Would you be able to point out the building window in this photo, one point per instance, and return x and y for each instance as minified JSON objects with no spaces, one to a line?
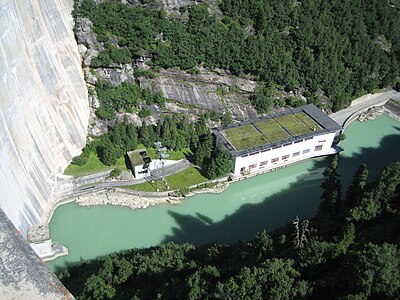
{"x":318,"y":148}
{"x":299,"y":141}
{"x":245,"y":155}
{"x":265,"y":150}
{"x":288,"y":144}
{"x":285,"y":157}
{"x":323,"y":141}
{"x":306,"y":151}
{"x":254,"y":153}
{"x":277,"y":147}
{"x":309,"y":138}
{"x":274,"y":160}
{"x":296,"y":154}
{"x":263,"y":163}
{"x":253,"y":166}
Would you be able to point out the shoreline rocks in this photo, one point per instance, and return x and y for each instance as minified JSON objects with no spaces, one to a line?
{"x":371,"y":114}
{"x":137,"y":199}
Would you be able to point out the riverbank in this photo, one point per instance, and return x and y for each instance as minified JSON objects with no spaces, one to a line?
{"x":138,"y":200}
{"x":266,"y":201}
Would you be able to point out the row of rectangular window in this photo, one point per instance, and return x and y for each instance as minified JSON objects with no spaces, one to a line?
{"x":274,"y":160}
{"x":277,"y":147}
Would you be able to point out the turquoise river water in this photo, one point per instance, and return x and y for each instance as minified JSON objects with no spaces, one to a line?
{"x":265,"y":201}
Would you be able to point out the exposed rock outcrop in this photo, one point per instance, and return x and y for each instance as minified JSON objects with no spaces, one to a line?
{"x":219,"y":92}
{"x":208,"y":90}
{"x":173,"y":7}
{"x":43,"y":104}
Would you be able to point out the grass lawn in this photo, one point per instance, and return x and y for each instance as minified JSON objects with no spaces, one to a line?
{"x":95,"y":165}
{"x":92,"y":166}
{"x":272,"y":130}
{"x":147,"y":187}
{"x":173,"y":155}
{"x":306,"y":119}
{"x":186,"y":178}
{"x":245,"y":137}
{"x":294,"y":124}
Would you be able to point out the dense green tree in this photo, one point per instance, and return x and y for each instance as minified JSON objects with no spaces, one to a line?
{"x":131,"y":137}
{"x":262,"y":245}
{"x":388,"y":185}
{"x":81,"y":159}
{"x":355,"y":261}
{"x":331,"y":189}
{"x":223,"y":162}
{"x":211,"y":170}
{"x":108,"y":152}
{"x":316,"y":253}
{"x":340,"y":48}
{"x":262,"y":100}
{"x":378,"y":271}
{"x":358,"y":184}
{"x":97,"y":288}
{"x":367,"y":208}
{"x":226,"y":118}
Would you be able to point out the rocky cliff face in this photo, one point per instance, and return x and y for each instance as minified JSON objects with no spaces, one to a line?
{"x":211,"y":90}
{"x":43,"y":104}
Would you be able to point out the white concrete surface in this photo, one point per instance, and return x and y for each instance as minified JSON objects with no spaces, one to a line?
{"x":43,"y":104}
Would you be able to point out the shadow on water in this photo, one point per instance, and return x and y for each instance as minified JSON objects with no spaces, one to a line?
{"x":301,"y":198}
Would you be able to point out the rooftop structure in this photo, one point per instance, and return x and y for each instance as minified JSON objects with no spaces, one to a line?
{"x":141,"y":164}
{"x":279,"y":139}
{"x":138,"y":157}
{"x":275,"y":130}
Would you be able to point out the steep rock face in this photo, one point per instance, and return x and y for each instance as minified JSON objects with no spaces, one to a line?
{"x":43,"y":104}
{"x":218,"y":92}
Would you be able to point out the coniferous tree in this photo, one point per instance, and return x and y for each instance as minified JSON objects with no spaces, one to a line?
{"x":329,"y":214}
{"x":144,"y":135}
{"x":211,"y":171}
{"x":108,"y":153}
{"x":131,"y":137}
{"x":115,"y":138}
{"x":358,"y":184}
{"x":331,"y":189}
{"x":223,"y":162}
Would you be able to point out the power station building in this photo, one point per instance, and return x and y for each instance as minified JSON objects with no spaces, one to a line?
{"x":277,"y":140}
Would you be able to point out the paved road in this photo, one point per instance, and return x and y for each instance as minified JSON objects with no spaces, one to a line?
{"x":358,"y":105}
{"x":363,"y":103}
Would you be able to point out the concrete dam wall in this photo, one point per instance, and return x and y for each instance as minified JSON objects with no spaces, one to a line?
{"x":43,"y":104}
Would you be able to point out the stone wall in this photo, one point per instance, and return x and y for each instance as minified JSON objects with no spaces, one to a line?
{"x":43,"y":104}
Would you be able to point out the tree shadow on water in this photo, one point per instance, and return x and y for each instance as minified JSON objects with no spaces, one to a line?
{"x":302,"y":198}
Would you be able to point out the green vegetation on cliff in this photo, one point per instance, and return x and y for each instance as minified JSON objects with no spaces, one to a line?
{"x":350,"y":250}
{"x":340,"y":48}
{"x":183,"y":138}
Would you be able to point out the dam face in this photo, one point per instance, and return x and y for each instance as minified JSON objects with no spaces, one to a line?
{"x":43,"y":104}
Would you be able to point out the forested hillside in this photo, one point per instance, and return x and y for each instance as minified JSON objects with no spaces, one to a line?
{"x":350,"y":250}
{"x":336,"y":48}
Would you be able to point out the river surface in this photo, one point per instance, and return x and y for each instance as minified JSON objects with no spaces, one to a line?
{"x":265,"y":201}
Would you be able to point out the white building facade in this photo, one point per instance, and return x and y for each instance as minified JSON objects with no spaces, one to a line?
{"x":279,"y":156}
{"x":318,"y":141}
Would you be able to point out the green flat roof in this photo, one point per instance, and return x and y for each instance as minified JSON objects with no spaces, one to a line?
{"x":308,"y":121}
{"x":270,"y":130}
{"x":245,"y":137}
{"x":135,"y":158}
